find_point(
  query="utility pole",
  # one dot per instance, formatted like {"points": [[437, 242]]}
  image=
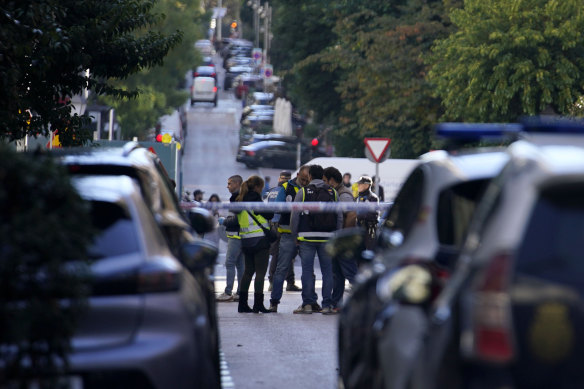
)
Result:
{"points": [[267, 24], [219, 22]]}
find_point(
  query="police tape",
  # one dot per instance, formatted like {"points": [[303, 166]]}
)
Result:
{"points": [[280, 207]]}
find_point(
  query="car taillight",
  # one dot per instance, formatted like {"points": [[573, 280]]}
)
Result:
{"points": [[153, 277], [249, 153], [491, 310], [214, 89], [195, 74], [213, 74]]}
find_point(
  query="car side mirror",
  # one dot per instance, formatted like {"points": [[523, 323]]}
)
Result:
{"points": [[349, 243], [199, 255], [201, 220]]}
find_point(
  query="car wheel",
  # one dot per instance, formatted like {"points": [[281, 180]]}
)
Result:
{"points": [[215, 102], [192, 102]]}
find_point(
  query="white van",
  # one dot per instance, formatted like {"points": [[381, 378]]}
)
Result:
{"points": [[204, 90]]}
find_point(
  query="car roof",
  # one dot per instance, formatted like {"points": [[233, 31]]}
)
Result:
{"points": [[471, 164], [263, 144]]}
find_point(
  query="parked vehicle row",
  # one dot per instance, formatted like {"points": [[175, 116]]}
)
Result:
{"points": [[152, 320], [476, 272]]}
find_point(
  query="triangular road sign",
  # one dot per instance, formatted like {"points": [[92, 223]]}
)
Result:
{"points": [[377, 147]]}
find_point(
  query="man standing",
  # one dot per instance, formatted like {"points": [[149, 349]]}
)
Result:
{"points": [[313, 230], [283, 179], [234, 255], [343, 268], [288, 248], [367, 220], [347, 180]]}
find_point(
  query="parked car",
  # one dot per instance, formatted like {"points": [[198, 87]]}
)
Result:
{"points": [[245, 83], [275, 153], [233, 72], [510, 315], [205, 47], [204, 90], [419, 241], [178, 228], [205, 71], [147, 324]]}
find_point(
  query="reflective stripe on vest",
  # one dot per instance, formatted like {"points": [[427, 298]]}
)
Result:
{"points": [[248, 228], [286, 229], [232, 234]]}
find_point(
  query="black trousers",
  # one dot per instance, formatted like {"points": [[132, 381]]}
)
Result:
{"points": [[256, 262]]}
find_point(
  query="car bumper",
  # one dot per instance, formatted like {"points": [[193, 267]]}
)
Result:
{"points": [[170, 350]]}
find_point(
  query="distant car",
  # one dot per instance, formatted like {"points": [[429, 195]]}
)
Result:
{"points": [[204, 90], [263, 98], [245, 83], [145, 309], [207, 61], [233, 72], [511, 314], [275, 153], [205, 47], [419, 239], [205, 71]]}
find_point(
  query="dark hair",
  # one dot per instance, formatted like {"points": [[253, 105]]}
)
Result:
{"points": [[236, 178], [334, 173], [315, 172], [214, 196], [250, 184], [347, 174]]}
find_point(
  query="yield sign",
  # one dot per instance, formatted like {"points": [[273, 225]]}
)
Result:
{"points": [[377, 147]]}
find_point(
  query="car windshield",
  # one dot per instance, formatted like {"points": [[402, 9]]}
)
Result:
{"points": [[553, 242], [116, 232]]}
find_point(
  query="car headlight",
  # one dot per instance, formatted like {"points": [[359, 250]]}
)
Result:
{"points": [[410, 284]]}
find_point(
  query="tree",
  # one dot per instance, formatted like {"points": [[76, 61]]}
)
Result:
{"points": [[162, 88], [46, 47], [380, 56], [509, 59]]}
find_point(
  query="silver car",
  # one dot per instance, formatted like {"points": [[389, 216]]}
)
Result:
{"points": [[147, 325]]}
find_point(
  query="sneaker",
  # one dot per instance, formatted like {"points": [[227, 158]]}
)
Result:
{"points": [[304, 309], [273, 308], [326, 311], [224, 297], [270, 287], [316, 307], [235, 297], [293, 288], [335, 311]]}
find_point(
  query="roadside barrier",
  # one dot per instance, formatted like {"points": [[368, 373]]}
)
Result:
{"points": [[279, 207]]}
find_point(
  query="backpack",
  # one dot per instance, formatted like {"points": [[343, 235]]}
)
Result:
{"points": [[321, 221]]}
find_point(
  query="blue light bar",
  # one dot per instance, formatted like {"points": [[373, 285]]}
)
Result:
{"points": [[553, 125], [477, 131]]}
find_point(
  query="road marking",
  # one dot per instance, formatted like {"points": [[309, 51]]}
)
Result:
{"points": [[226, 379]]}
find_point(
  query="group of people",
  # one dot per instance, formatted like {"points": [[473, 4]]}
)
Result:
{"points": [[301, 233]]}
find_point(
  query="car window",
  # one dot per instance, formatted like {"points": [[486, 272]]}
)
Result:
{"points": [[553, 243], [116, 232], [406, 206], [456, 206]]}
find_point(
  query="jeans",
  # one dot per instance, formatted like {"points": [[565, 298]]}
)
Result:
{"points": [[233, 262], [307, 252], [275, 253], [342, 269], [256, 262], [286, 256]]}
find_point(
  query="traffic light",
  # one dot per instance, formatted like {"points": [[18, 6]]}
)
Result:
{"points": [[159, 138], [234, 25], [314, 142]]}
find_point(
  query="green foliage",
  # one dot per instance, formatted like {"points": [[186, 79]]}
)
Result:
{"points": [[44, 224], [509, 59], [46, 46], [162, 89]]}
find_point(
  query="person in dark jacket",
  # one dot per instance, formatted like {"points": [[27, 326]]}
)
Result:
{"points": [[367, 220], [254, 244]]}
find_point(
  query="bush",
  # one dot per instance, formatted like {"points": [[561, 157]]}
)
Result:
{"points": [[44, 224]]}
